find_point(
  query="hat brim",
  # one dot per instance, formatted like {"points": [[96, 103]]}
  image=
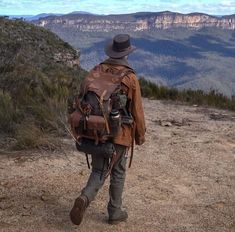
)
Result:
{"points": [[113, 54]]}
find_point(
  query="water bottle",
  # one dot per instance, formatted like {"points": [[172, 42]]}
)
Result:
{"points": [[115, 122]]}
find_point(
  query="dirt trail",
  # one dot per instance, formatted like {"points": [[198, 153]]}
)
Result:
{"points": [[182, 179]]}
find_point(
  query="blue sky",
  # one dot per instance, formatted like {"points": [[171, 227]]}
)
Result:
{"points": [[30, 7]]}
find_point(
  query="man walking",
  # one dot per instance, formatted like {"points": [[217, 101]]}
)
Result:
{"points": [[118, 51]]}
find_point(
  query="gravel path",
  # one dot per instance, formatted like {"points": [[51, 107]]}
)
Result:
{"points": [[182, 179]]}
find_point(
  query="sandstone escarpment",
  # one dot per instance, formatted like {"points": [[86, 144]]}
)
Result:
{"points": [[139, 21]]}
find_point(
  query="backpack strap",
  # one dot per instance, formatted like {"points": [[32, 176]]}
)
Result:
{"points": [[113, 160], [102, 109], [132, 143], [87, 161]]}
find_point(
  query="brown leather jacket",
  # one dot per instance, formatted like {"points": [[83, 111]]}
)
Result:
{"points": [[131, 83]]}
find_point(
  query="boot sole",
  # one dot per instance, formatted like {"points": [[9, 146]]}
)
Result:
{"points": [[78, 210], [115, 222]]}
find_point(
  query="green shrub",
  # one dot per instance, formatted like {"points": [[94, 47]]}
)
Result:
{"points": [[34, 108], [7, 112], [37, 79], [213, 98], [29, 135]]}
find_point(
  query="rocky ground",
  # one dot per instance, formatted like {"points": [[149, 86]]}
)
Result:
{"points": [[182, 179]]}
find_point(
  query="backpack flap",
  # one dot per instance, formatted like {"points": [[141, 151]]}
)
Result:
{"points": [[100, 81], [96, 122], [96, 128]]}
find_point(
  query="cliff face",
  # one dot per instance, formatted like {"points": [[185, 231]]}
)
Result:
{"points": [[195, 21], [139, 21]]}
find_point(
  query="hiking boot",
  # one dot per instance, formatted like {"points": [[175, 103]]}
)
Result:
{"points": [[78, 210], [121, 218]]}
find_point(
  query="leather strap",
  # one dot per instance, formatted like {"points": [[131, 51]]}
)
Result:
{"points": [[87, 161], [115, 157], [132, 144]]}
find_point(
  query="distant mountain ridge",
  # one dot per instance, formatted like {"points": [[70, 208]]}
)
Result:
{"points": [[43, 15], [33, 17]]}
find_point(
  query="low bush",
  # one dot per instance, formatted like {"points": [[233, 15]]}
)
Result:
{"points": [[212, 98]]}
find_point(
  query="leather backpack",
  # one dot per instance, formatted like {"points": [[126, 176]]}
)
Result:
{"points": [[101, 106]]}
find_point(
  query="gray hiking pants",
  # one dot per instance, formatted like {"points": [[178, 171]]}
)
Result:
{"points": [[117, 179]]}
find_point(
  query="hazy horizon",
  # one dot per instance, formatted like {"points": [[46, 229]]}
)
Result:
{"points": [[30, 7], [55, 13]]}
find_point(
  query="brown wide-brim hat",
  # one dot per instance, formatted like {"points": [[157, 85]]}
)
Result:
{"points": [[119, 47]]}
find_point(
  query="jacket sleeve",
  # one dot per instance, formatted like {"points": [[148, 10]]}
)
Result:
{"points": [[138, 113]]}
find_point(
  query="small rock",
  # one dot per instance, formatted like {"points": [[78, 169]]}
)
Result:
{"points": [[25, 214], [168, 124], [82, 173], [45, 197], [26, 206]]}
